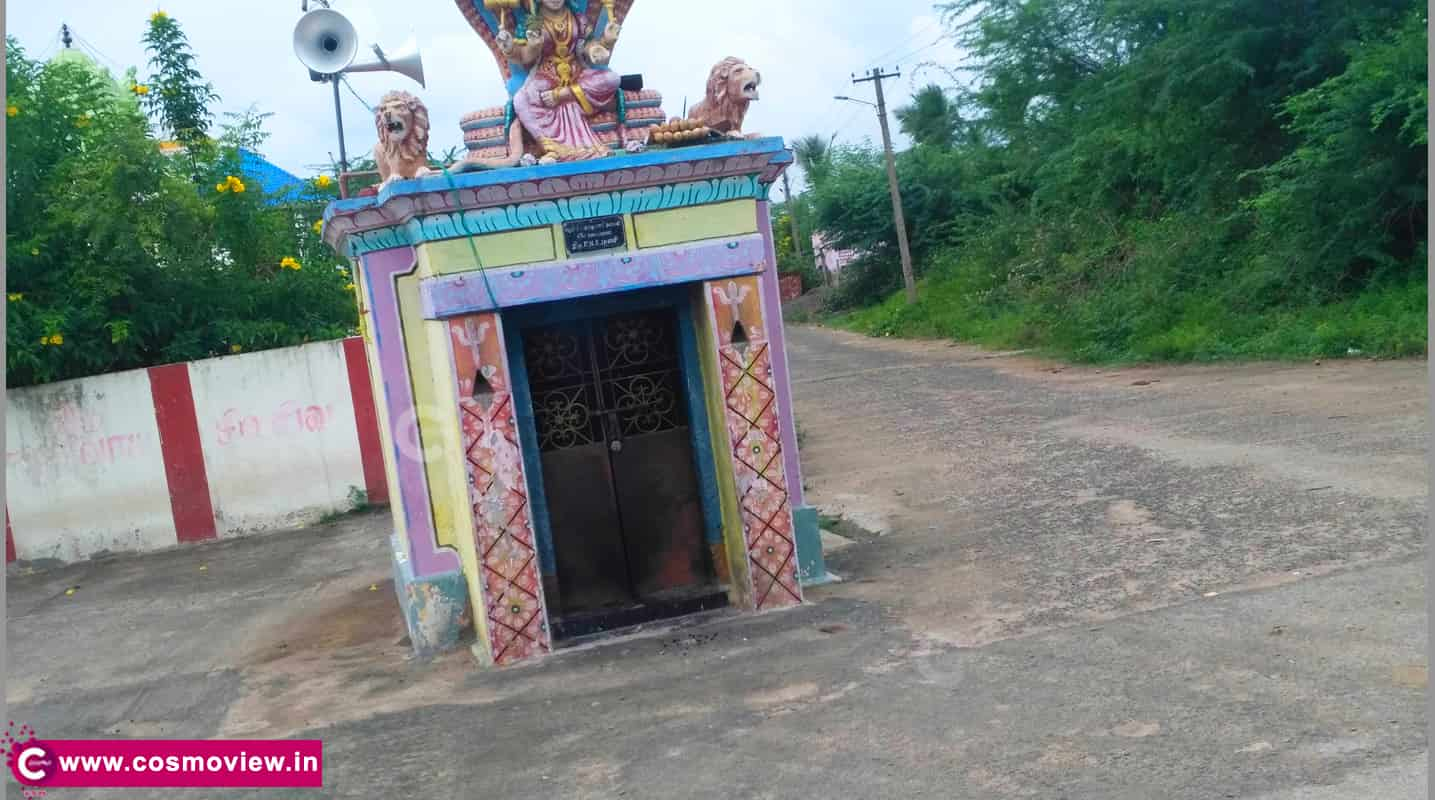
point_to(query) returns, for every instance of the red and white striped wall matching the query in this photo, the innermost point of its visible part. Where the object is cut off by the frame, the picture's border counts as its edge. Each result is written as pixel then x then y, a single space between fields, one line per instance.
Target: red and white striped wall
pixel 151 458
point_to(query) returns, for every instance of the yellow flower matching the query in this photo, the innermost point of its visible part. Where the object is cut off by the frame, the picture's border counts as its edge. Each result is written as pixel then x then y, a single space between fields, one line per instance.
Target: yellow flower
pixel 14 297
pixel 140 89
pixel 318 226
pixel 157 16
pixel 55 339
pixel 234 348
pixel 323 181
pixel 12 110
pixel 82 121
pixel 348 287
pixel 289 262
pixel 221 187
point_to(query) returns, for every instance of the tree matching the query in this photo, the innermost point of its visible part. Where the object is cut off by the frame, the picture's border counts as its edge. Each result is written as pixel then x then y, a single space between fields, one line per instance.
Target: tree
pixel 1143 178
pixel 1348 202
pixel 116 260
pixel 176 92
pixel 812 155
pixel 930 119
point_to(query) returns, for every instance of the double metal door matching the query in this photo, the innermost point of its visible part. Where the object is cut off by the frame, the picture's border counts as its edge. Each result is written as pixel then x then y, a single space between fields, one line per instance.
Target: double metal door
pixel 624 507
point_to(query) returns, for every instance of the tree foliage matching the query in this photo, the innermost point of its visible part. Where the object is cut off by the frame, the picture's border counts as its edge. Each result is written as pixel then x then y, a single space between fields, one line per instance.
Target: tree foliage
pixel 1121 171
pixel 812 154
pixel 176 92
pixel 117 258
pixel 930 119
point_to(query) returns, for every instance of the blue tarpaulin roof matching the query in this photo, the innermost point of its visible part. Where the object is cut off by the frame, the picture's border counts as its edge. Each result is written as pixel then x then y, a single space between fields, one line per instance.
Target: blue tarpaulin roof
pixel 275 181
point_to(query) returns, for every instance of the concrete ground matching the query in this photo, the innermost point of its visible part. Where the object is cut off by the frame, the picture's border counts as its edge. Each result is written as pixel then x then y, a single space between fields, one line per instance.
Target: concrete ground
pixel 1060 583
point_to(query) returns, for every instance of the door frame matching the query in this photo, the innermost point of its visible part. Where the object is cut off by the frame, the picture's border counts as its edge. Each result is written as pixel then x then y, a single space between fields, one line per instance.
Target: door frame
pixel 677 298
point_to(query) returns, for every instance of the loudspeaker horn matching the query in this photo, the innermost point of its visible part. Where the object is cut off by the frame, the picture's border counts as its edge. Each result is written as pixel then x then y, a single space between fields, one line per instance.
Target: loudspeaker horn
pixel 325 41
pixel 406 61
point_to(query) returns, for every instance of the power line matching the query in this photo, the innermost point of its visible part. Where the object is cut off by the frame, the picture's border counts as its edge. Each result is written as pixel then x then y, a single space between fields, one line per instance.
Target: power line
pixel 95 51
pixel 883 57
pixel 367 105
pixel 50 47
pixel 905 56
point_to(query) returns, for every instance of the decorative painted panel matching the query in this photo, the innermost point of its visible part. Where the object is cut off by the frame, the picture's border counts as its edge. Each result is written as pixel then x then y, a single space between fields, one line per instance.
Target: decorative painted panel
pixel 407 199
pixel 508 560
pixel 755 439
pixel 509 217
pixel 474 291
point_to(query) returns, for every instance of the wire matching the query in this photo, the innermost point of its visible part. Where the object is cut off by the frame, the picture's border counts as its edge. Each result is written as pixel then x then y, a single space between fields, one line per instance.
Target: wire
pixel 904 56
pixel 50 48
pixel 472 248
pixel 878 60
pixel 95 51
pixel 367 105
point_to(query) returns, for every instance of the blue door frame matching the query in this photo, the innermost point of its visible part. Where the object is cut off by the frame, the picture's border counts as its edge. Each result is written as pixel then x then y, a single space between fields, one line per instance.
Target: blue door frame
pixel 678 298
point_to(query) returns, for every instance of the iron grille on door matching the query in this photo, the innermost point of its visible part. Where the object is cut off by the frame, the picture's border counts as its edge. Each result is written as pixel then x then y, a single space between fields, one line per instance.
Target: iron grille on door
pixel 605 379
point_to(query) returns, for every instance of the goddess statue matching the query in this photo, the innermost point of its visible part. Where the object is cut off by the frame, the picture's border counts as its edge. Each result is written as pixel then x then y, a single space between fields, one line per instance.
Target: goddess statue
pixel 567 81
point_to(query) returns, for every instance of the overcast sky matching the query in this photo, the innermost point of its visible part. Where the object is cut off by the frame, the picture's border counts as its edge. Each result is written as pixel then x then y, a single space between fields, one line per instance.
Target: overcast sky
pixel 805 49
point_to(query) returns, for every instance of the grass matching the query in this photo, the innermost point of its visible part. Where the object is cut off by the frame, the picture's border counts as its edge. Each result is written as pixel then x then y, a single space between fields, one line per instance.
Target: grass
pixel 358 503
pixel 1126 324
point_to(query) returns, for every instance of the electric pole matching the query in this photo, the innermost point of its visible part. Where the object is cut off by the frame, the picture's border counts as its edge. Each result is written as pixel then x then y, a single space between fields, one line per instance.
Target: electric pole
pixel 876 77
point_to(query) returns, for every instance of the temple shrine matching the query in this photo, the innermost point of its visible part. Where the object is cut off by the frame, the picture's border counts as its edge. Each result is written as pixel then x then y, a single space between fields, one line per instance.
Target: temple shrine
pixel 577 329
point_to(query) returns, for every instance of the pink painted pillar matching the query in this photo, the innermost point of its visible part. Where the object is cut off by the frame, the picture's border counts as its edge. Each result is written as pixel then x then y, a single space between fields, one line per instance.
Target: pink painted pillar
pixel 777 338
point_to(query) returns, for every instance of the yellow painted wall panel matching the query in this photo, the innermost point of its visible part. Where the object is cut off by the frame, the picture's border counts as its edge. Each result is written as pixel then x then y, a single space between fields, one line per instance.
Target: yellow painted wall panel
pixel 662 228
pixel 416 352
pixel 446 470
pixel 734 543
pixel 528 246
pixel 436 416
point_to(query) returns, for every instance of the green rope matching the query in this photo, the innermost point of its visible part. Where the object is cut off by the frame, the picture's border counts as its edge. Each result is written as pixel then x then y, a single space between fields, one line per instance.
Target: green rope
pixel 472 248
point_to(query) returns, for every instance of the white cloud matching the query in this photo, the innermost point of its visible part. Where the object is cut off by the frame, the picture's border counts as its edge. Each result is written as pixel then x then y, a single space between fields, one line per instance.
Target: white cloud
pixel 805 49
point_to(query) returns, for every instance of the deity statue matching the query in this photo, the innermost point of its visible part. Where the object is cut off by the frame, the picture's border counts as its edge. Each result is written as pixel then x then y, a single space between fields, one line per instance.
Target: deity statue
pixel 567 80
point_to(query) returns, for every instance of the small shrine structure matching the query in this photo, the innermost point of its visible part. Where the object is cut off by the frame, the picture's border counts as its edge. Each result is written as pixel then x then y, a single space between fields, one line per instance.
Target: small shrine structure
pixel 577 330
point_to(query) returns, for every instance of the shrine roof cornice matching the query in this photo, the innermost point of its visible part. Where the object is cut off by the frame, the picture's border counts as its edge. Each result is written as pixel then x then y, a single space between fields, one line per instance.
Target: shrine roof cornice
pixel 440 206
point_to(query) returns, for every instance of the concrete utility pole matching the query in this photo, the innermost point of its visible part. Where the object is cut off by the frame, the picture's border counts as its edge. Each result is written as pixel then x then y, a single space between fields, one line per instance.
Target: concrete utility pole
pixel 876 77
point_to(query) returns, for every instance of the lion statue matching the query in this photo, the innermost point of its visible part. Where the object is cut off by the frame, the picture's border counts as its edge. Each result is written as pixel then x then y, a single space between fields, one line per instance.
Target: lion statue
pixel 732 85
pixel 402 121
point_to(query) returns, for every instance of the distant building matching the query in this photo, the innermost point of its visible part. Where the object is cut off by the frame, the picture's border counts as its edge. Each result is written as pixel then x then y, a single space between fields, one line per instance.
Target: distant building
pixel 830 260
pixel 278 184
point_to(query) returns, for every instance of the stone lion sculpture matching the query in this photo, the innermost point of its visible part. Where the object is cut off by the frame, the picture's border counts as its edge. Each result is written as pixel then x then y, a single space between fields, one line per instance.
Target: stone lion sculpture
pixel 732 86
pixel 402 121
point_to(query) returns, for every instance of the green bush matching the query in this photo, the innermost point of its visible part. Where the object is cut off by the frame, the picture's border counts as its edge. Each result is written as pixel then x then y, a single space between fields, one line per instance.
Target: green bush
pixel 119 256
pixel 1159 180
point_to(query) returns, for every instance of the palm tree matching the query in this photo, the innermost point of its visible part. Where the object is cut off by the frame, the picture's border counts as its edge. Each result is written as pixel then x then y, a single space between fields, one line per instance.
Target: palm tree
pixel 814 156
pixel 931 119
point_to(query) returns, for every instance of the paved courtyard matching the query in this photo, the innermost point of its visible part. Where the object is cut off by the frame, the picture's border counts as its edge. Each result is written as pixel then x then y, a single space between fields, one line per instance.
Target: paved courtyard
pixel 1059 582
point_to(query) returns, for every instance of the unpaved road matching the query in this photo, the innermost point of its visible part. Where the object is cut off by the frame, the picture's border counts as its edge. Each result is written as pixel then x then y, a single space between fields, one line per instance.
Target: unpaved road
pixel 1063 583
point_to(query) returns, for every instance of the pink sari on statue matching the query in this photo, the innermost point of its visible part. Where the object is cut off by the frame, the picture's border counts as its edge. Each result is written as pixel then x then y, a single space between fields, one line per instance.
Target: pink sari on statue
pixel 563 131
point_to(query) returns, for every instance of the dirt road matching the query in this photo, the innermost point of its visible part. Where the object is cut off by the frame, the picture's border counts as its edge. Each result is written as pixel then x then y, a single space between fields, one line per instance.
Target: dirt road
pixel 1060 583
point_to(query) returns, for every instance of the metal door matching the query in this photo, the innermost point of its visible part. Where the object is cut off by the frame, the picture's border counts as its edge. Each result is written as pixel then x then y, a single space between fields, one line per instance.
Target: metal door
pixel 623 501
